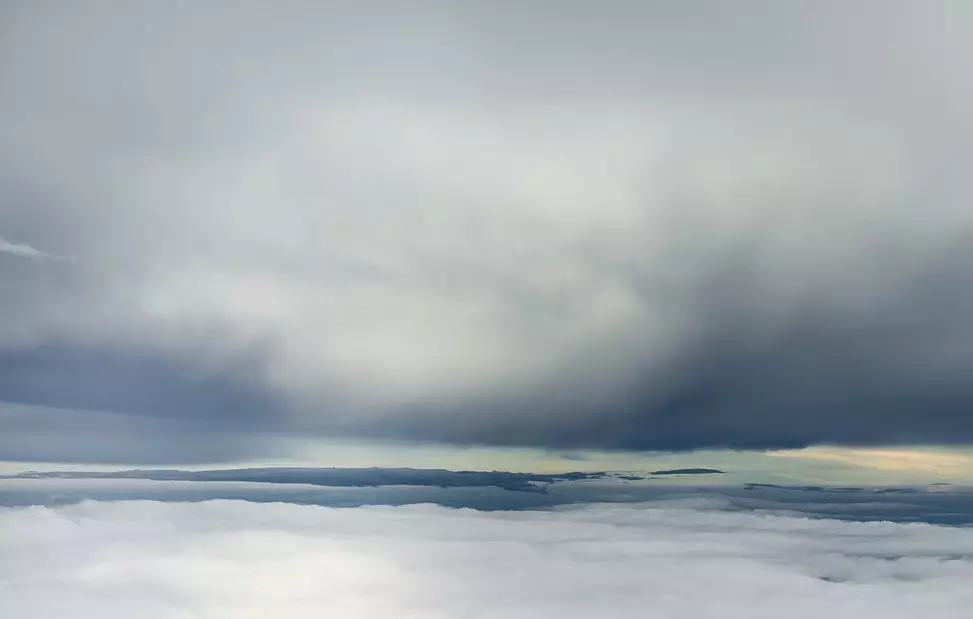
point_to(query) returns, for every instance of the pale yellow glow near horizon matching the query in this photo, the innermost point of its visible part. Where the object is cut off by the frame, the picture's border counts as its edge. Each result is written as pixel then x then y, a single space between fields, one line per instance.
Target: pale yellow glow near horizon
pixel 916 460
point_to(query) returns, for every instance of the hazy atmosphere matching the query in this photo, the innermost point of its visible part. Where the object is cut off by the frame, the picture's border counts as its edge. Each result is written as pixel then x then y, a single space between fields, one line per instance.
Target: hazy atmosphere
pixel 441 252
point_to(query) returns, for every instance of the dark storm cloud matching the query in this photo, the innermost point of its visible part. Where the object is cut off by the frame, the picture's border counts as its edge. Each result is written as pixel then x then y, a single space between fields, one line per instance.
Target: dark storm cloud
pixel 130 381
pixel 57 403
pixel 40 434
pixel 634 225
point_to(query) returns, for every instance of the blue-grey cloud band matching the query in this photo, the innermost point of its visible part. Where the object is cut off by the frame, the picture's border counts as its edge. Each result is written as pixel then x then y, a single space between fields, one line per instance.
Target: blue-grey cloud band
pixel 635 226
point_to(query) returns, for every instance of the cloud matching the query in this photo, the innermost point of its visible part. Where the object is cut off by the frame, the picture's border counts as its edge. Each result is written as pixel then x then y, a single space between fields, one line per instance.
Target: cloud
pixel 233 559
pixel 26 251
pixel 639 226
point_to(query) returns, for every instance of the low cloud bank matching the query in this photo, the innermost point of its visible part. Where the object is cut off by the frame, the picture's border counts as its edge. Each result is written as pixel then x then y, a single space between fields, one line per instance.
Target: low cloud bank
pixel 228 559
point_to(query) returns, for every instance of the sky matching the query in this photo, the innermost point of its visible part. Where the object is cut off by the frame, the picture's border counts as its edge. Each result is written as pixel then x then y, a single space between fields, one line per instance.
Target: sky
pixel 488 235
pixel 507 239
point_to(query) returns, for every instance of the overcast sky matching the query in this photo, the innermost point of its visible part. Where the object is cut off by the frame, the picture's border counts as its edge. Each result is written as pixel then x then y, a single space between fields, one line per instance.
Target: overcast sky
pixel 231 226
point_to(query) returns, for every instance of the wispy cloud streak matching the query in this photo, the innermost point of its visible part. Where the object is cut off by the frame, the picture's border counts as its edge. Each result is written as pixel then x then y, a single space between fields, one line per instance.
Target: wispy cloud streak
pixel 25 250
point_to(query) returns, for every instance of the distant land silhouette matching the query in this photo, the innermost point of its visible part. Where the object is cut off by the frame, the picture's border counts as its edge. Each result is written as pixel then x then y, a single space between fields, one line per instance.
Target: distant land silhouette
pixel 688 472
pixel 341 477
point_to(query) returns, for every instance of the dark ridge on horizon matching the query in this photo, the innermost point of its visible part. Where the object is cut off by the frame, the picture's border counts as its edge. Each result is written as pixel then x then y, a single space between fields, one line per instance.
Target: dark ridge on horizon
pixel 340 477
pixel 937 487
pixel 691 471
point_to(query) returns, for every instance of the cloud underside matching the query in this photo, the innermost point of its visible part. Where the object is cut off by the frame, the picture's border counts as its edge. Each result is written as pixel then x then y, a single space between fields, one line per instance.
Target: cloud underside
pixel 232 559
pixel 631 227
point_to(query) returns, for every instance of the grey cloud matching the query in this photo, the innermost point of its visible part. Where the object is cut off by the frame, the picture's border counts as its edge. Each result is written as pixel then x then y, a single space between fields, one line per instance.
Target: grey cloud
pixel 630 226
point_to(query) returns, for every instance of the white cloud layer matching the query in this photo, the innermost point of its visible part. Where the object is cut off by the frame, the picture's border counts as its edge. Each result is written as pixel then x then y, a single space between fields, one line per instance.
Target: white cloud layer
pixel 238 560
